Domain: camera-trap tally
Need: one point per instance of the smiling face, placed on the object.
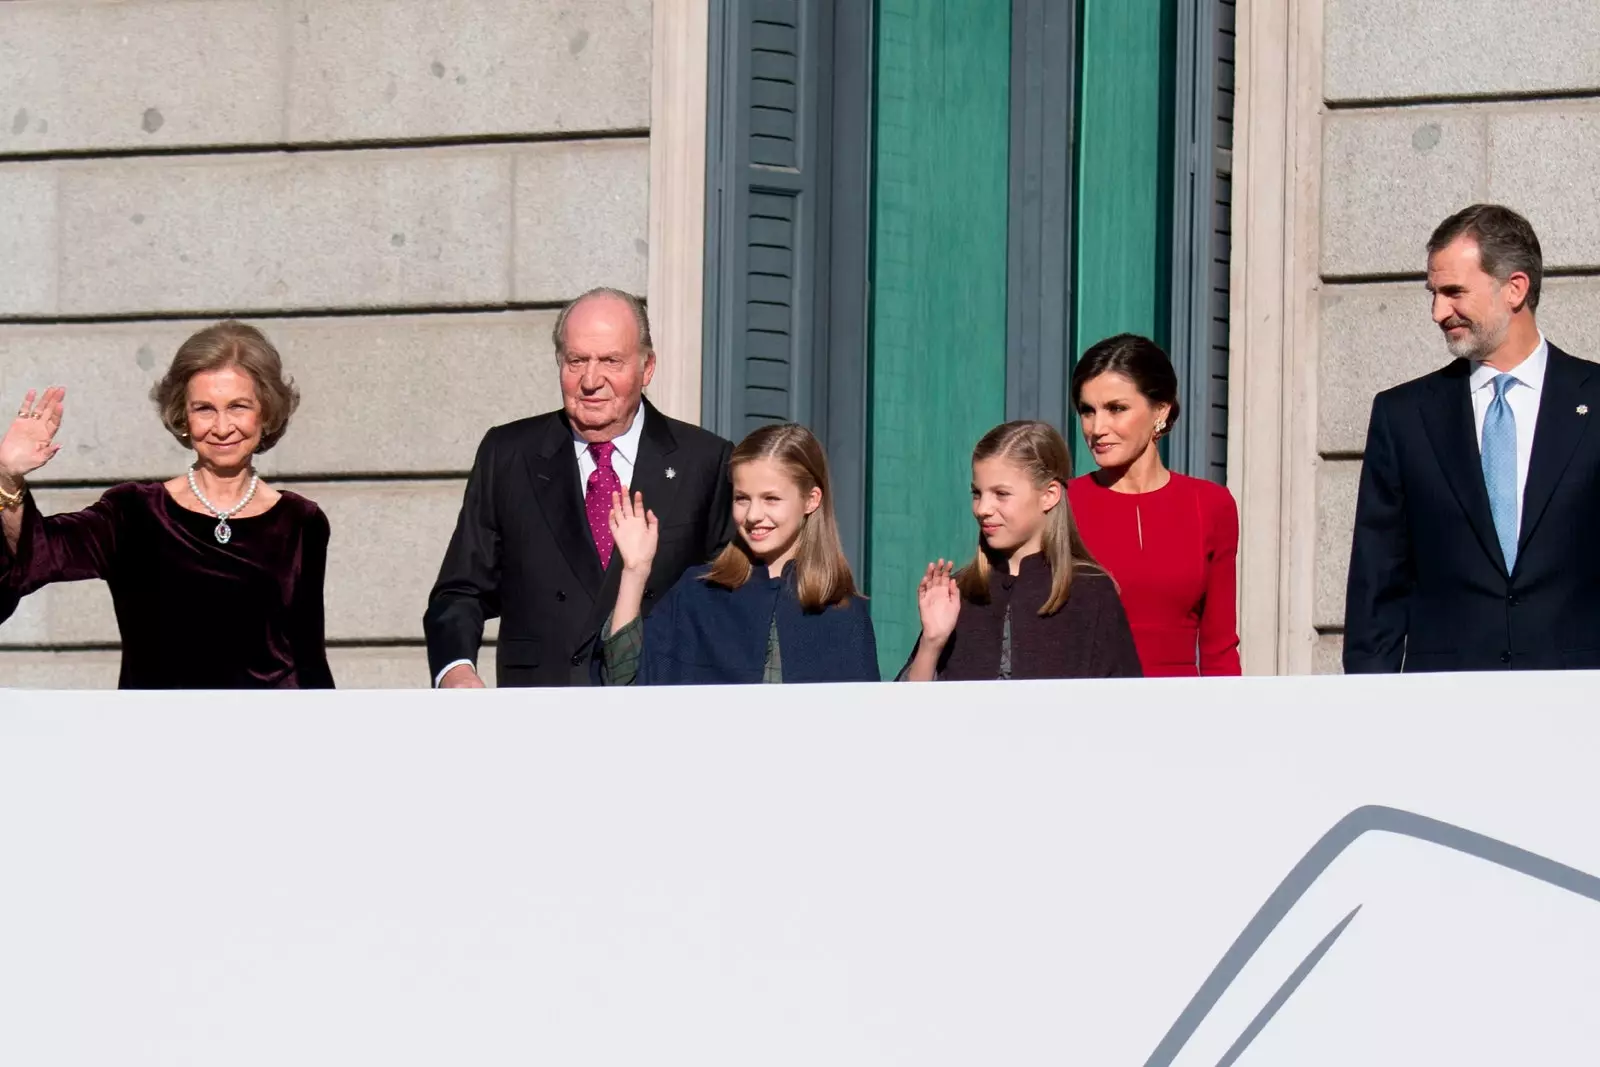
(224, 417)
(604, 368)
(1470, 305)
(1011, 510)
(1118, 421)
(770, 509)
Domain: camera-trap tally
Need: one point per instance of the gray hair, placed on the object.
(1506, 243)
(558, 336)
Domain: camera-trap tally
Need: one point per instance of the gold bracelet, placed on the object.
(12, 500)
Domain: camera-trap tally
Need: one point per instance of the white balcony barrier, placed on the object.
(1263, 871)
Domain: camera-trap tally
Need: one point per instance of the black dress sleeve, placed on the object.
(8, 595)
(71, 547)
(308, 634)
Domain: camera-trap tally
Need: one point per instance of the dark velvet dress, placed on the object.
(193, 614)
(8, 595)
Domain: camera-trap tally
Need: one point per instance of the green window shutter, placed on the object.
(1039, 242)
(763, 239)
(1202, 234)
(787, 228)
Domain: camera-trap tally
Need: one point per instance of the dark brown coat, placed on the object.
(1087, 638)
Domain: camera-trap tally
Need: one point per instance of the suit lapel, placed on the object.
(553, 469)
(1556, 434)
(652, 464)
(1451, 431)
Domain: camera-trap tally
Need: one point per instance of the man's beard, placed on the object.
(1481, 341)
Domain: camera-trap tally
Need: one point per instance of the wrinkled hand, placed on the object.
(29, 443)
(634, 531)
(938, 602)
(461, 676)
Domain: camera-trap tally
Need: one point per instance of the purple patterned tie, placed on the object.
(597, 499)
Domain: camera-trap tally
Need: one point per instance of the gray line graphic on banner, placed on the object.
(1371, 818)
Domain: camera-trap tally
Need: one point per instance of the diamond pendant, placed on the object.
(224, 532)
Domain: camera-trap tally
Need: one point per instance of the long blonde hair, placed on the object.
(1041, 453)
(822, 572)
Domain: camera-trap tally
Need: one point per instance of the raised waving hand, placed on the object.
(29, 442)
(938, 602)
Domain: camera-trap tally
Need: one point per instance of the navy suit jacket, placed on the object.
(1428, 587)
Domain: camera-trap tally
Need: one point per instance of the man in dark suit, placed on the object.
(532, 544)
(1479, 503)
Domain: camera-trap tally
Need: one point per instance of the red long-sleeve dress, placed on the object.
(1171, 552)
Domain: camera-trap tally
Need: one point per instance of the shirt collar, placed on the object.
(1032, 568)
(627, 444)
(1529, 373)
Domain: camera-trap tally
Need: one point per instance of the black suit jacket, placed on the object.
(522, 549)
(1428, 588)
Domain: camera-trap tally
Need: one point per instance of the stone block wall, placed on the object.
(1430, 106)
(399, 192)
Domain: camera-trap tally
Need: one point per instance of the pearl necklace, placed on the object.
(223, 532)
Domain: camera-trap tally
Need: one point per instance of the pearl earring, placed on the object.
(1161, 427)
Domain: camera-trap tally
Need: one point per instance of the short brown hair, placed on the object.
(1506, 244)
(822, 572)
(228, 344)
(1042, 454)
(641, 317)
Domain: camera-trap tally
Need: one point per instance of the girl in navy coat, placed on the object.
(778, 604)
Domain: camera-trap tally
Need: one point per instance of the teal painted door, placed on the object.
(938, 292)
(1125, 137)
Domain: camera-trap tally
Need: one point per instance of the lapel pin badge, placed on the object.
(673, 474)
(1583, 409)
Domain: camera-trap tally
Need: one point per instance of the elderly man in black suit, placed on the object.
(1479, 502)
(532, 544)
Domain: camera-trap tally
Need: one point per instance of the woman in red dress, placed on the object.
(1169, 541)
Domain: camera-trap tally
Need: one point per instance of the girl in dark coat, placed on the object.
(779, 604)
(1033, 603)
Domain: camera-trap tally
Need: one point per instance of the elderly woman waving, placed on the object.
(216, 576)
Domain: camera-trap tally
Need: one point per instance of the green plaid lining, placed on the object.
(772, 671)
(620, 652)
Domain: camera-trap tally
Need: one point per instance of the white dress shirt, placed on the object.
(1523, 397)
(622, 461)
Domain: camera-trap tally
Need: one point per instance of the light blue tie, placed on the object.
(1499, 452)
